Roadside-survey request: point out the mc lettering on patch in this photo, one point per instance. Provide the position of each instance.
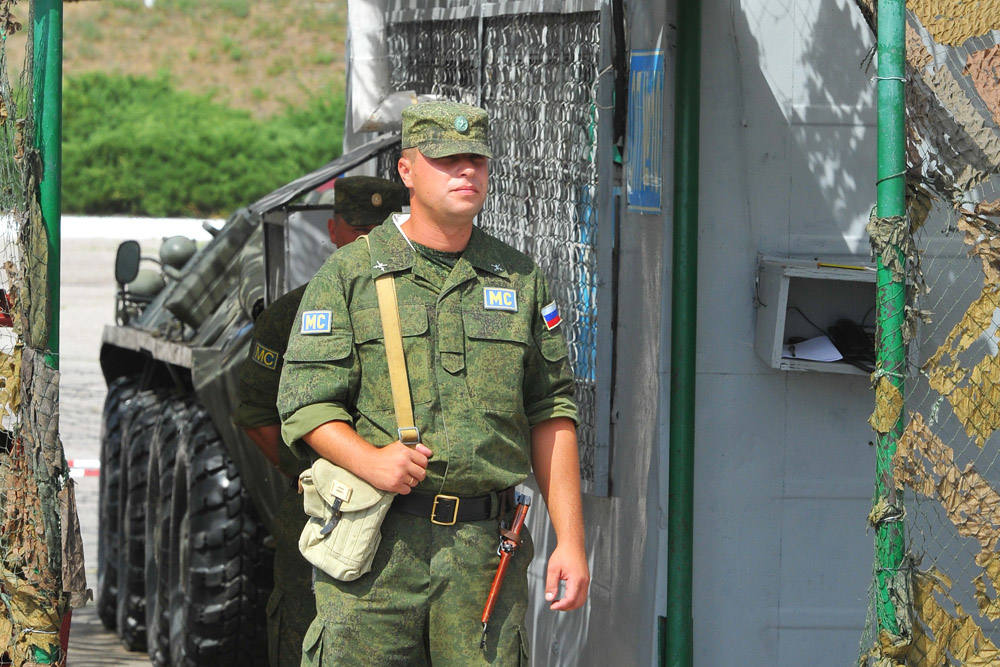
(499, 298)
(265, 356)
(315, 322)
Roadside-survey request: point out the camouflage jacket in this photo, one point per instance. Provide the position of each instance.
(483, 365)
(260, 371)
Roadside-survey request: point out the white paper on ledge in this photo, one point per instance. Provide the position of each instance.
(819, 348)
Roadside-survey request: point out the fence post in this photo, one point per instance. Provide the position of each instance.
(683, 339)
(890, 295)
(47, 34)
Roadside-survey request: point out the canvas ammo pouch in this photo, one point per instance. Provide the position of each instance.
(345, 512)
(345, 516)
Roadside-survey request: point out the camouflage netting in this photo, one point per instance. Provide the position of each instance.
(946, 469)
(536, 74)
(41, 555)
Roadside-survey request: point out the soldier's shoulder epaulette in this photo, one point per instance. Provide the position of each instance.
(515, 261)
(349, 260)
(279, 315)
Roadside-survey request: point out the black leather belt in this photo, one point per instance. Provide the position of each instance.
(447, 510)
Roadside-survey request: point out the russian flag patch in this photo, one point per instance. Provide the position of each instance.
(550, 315)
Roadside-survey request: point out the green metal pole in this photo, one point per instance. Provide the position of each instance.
(47, 30)
(890, 292)
(683, 324)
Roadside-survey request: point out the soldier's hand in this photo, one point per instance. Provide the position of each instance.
(567, 564)
(397, 467)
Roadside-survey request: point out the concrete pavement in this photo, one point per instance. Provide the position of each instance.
(87, 304)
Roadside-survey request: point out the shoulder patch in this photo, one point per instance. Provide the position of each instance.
(265, 356)
(315, 322)
(499, 298)
(550, 315)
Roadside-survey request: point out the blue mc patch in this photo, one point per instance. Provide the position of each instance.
(499, 298)
(315, 322)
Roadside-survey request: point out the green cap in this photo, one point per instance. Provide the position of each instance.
(439, 129)
(365, 201)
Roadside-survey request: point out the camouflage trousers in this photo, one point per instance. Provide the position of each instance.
(422, 602)
(291, 607)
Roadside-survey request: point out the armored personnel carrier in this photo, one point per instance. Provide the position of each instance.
(186, 499)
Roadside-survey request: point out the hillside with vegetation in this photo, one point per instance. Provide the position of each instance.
(195, 107)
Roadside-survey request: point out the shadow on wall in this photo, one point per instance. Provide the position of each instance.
(821, 79)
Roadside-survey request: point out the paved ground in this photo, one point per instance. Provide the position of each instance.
(88, 293)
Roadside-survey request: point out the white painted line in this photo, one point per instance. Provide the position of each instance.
(79, 468)
(122, 227)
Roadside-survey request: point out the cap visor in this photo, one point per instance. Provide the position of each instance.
(433, 149)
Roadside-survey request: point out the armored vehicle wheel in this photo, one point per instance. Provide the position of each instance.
(159, 488)
(217, 569)
(138, 436)
(116, 405)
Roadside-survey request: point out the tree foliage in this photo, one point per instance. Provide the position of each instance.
(138, 146)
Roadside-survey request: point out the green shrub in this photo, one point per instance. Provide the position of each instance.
(138, 146)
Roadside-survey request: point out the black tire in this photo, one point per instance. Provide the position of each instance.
(121, 391)
(159, 487)
(136, 441)
(219, 571)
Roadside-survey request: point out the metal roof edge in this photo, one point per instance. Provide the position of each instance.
(347, 161)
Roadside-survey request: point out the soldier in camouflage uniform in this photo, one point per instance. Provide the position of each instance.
(360, 203)
(492, 393)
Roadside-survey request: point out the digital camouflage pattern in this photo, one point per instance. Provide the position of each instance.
(384, 618)
(261, 370)
(365, 201)
(439, 129)
(291, 606)
(480, 378)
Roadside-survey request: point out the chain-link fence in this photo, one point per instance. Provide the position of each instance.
(945, 472)
(41, 560)
(537, 76)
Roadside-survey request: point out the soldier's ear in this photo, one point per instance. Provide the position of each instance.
(405, 168)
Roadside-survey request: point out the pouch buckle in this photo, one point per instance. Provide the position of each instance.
(409, 435)
(454, 512)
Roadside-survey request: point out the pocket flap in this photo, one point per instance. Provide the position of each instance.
(553, 347)
(495, 326)
(332, 347)
(314, 634)
(368, 322)
(334, 482)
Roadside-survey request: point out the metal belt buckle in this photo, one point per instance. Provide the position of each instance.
(454, 514)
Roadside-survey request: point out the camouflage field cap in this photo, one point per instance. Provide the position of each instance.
(439, 129)
(364, 201)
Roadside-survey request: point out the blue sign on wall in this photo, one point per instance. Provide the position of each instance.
(644, 150)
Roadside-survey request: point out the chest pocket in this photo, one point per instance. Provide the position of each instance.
(495, 350)
(332, 347)
(375, 391)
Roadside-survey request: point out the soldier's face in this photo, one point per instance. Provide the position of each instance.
(451, 188)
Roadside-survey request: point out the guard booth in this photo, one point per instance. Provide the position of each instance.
(583, 108)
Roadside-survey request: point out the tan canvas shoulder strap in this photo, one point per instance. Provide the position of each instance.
(385, 289)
